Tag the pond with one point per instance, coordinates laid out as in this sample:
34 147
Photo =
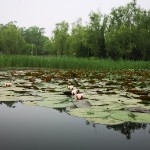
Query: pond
74 109
40 128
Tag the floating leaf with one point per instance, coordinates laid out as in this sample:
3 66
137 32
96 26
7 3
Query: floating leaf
74 82
145 97
52 97
131 116
21 90
88 113
54 104
105 93
30 103
47 78
110 107
82 104
123 115
105 120
139 109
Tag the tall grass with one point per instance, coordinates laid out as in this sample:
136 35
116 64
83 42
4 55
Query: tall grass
19 61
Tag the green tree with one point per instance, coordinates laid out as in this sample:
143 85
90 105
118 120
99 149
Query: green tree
1 49
95 34
35 39
77 40
60 38
11 40
49 47
127 33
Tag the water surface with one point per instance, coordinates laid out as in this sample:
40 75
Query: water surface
38 128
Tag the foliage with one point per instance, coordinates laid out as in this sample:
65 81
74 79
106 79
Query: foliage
10 38
110 97
95 36
128 33
34 37
64 62
122 34
60 38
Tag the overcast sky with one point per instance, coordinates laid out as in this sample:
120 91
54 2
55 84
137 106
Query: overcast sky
46 13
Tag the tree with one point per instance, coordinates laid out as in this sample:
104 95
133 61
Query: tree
49 47
34 36
127 33
77 40
60 37
11 40
96 37
1 49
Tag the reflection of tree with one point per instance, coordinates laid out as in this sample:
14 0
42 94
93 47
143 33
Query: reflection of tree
61 109
90 123
8 103
127 128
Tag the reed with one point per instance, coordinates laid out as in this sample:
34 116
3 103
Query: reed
20 61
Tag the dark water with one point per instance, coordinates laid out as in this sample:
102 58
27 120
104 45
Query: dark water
38 128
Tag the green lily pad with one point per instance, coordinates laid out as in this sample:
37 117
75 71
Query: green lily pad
28 85
110 107
30 103
131 116
55 104
123 115
21 90
39 85
143 117
88 113
53 97
74 82
9 98
29 98
82 104
105 120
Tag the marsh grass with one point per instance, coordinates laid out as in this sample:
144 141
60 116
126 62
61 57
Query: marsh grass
20 61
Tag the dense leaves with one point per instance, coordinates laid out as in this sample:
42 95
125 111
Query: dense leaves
124 33
107 97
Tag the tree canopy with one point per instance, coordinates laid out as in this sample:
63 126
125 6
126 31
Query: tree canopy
122 34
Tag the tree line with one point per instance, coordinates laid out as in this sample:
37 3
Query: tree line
122 34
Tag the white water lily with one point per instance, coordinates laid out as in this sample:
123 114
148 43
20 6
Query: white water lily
8 84
79 96
75 91
70 87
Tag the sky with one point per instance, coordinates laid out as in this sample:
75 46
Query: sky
46 13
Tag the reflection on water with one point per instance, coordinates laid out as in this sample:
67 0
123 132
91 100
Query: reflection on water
127 128
61 109
8 103
29 128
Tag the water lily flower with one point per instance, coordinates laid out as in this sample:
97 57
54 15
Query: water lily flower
8 84
79 96
70 87
75 91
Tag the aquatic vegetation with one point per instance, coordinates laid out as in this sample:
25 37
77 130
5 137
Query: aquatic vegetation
64 62
79 96
104 97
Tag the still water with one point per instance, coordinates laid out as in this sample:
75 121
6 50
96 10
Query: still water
38 128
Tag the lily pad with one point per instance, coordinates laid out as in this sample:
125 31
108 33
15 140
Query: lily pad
52 97
139 109
105 120
131 116
54 104
110 107
82 104
88 113
30 103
